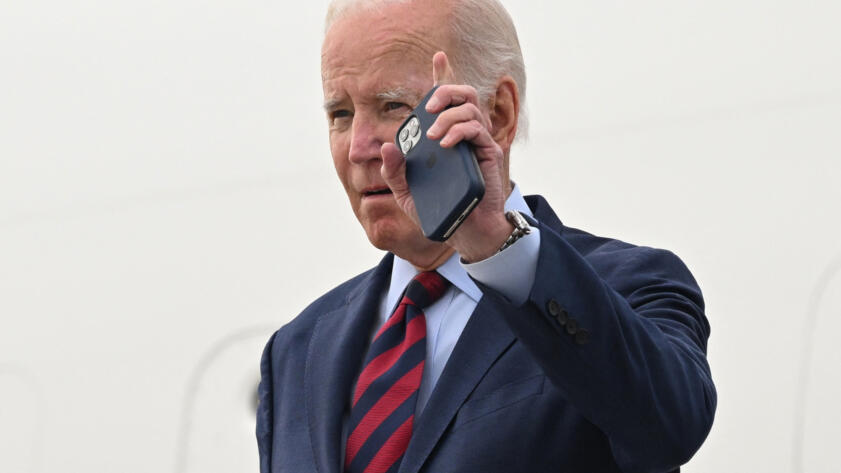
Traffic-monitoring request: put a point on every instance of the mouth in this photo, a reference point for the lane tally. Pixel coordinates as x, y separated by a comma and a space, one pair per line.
374, 191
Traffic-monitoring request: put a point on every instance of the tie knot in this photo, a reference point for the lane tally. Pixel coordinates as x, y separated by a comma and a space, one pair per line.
426, 288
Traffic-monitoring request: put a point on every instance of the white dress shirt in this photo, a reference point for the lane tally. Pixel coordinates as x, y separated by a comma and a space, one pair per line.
511, 272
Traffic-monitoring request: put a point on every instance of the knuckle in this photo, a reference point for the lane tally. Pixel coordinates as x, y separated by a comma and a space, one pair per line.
448, 115
474, 110
444, 92
467, 127
461, 92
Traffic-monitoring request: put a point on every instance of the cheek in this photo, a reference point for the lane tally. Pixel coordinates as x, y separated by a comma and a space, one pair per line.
340, 161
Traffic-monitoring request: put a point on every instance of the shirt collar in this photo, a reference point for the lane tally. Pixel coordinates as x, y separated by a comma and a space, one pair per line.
402, 271
516, 202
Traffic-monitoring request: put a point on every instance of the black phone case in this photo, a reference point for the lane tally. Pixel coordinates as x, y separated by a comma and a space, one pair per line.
445, 183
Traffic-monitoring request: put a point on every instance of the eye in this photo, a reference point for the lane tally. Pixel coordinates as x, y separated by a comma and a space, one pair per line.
392, 106
337, 114
339, 118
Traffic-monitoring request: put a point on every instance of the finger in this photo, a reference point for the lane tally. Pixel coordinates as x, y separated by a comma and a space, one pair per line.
442, 73
394, 169
452, 95
452, 116
471, 131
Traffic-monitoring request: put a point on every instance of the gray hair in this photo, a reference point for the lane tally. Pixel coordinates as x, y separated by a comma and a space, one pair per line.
488, 47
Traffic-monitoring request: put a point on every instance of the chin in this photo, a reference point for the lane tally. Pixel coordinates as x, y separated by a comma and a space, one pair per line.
393, 235
384, 236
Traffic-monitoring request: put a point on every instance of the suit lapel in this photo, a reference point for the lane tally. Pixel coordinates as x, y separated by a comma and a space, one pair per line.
340, 339
334, 358
484, 339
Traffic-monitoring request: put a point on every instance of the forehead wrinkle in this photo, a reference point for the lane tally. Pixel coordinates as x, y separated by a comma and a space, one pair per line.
403, 49
386, 55
385, 39
383, 71
408, 44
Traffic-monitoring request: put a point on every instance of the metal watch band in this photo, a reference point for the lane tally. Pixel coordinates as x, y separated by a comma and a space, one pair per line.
521, 228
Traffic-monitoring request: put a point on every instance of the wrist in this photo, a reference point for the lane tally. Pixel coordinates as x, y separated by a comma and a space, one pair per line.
476, 243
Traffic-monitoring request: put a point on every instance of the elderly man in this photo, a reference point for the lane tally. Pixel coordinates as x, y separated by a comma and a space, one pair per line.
498, 350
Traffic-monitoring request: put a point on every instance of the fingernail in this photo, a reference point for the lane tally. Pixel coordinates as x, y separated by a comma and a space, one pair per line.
432, 104
432, 132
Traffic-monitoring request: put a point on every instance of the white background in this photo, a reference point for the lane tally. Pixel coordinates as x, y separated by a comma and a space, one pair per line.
166, 185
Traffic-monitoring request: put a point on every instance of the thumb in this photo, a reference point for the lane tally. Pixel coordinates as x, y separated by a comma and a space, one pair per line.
442, 72
394, 169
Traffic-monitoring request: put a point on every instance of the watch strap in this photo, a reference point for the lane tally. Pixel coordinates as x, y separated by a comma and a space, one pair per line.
521, 228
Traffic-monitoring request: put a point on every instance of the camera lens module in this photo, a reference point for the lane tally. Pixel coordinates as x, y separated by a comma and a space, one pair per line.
405, 145
414, 126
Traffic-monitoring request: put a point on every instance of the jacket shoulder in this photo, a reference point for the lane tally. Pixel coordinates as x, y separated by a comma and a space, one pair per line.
627, 267
620, 264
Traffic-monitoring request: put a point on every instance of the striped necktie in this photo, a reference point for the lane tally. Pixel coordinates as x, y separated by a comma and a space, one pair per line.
383, 408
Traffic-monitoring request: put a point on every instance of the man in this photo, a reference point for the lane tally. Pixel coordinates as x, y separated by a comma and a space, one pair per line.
552, 350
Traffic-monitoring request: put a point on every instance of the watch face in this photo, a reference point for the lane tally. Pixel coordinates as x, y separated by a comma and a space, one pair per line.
517, 219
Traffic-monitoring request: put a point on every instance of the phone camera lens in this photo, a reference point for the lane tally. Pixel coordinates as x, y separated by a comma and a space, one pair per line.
405, 145
414, 126
404, 134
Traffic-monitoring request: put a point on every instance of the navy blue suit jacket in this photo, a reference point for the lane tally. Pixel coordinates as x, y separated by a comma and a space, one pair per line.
603, 369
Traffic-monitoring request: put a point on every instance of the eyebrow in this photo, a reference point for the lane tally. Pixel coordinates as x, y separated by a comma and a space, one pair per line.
397, 94
332, 103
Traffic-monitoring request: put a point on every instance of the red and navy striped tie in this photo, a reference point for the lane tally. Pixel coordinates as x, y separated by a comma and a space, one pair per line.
386, 392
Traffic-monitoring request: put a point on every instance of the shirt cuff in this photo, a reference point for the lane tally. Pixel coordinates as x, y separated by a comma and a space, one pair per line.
511, 271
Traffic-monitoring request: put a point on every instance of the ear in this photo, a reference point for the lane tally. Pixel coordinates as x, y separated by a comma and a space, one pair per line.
504, 112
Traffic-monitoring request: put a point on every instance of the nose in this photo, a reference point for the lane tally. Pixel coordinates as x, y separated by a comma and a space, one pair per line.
365, 141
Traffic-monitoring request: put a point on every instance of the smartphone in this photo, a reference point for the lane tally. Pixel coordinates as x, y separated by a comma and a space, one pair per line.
445, 183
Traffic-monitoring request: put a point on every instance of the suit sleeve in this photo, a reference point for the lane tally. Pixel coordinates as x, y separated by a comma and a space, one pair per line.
265, 396
625, 344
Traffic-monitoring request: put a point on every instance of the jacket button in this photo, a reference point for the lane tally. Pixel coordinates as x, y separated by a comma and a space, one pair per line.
562, 317
582, 337
553, 307
572, 326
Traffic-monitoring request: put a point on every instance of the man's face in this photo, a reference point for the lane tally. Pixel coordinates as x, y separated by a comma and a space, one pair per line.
376, 67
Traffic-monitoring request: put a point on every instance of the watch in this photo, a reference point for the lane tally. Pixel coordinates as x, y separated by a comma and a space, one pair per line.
521, 228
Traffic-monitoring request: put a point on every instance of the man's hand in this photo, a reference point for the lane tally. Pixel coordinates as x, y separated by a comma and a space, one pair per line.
484, 231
